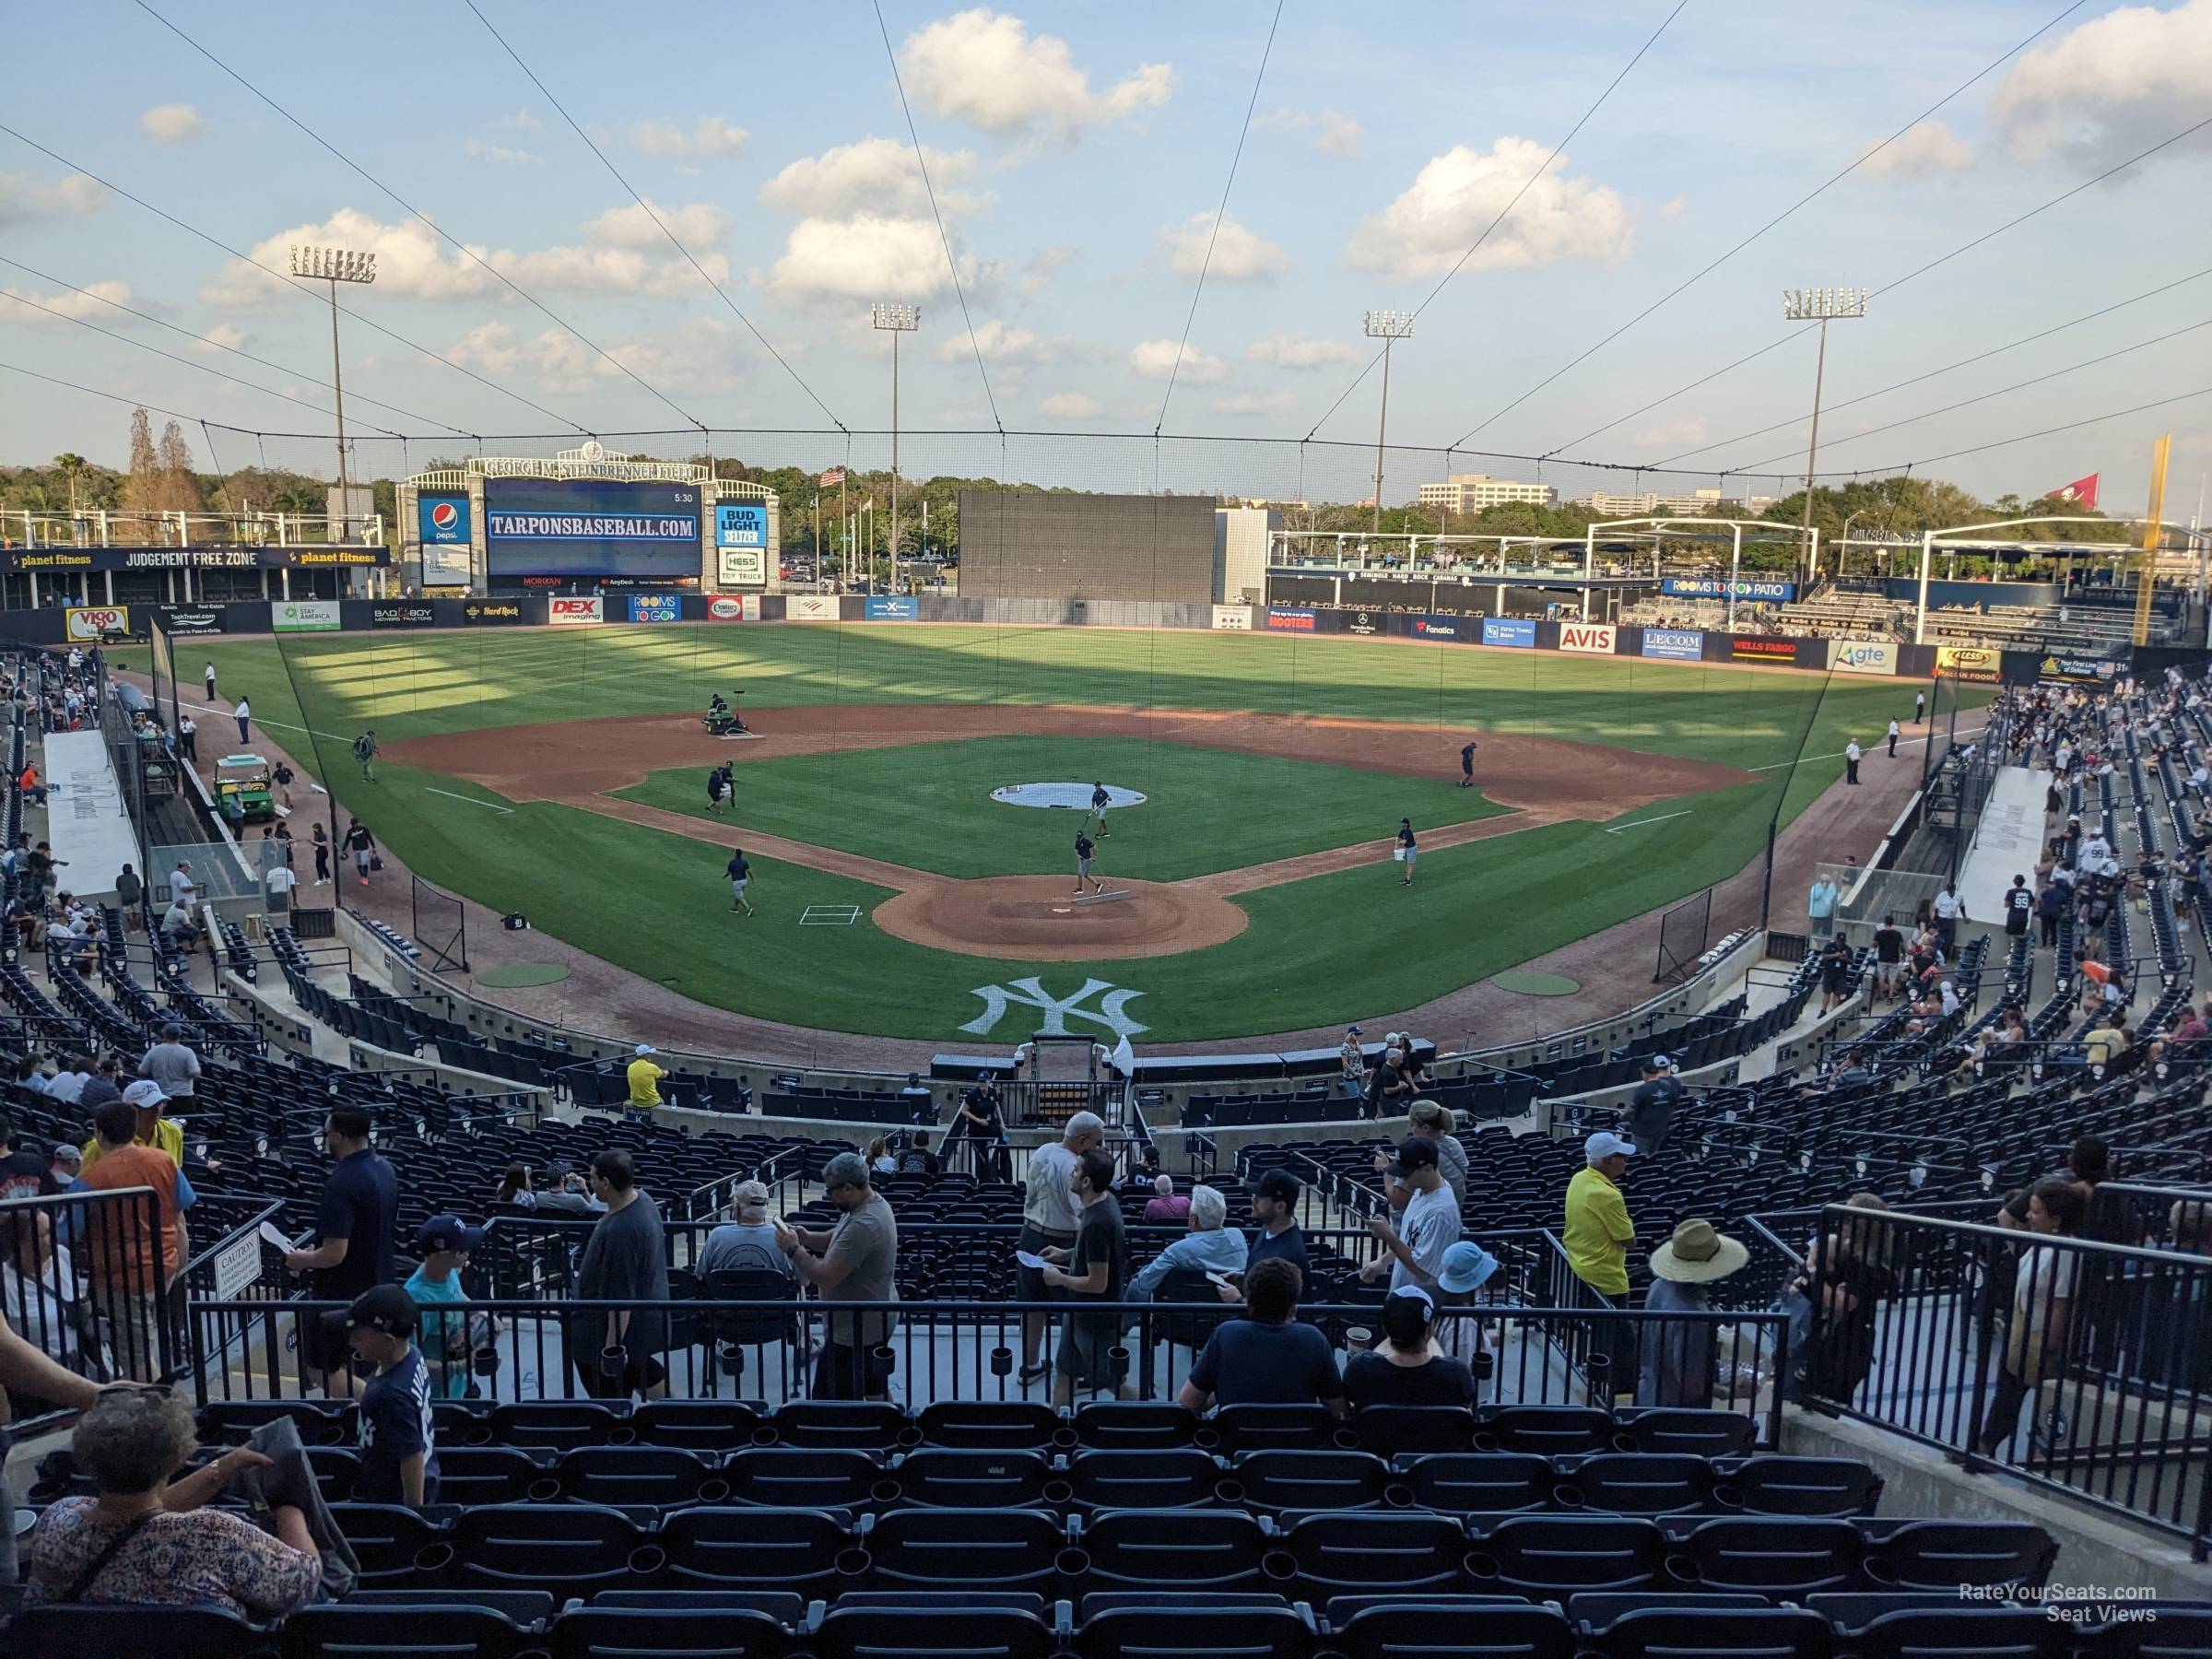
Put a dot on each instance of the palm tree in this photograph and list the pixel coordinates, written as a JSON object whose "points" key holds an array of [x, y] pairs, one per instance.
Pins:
{"points": [[72, 467]]}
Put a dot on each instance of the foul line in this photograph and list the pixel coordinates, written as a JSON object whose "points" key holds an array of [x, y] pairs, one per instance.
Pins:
{"points": [[1863, 754], [472, 800], [1616, 829]]}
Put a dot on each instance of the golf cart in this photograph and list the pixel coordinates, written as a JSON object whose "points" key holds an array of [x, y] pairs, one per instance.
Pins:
{"points": [[246, 779]]}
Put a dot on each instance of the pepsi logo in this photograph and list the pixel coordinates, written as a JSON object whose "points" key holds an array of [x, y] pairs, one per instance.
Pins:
{"points": [[445, 516]]}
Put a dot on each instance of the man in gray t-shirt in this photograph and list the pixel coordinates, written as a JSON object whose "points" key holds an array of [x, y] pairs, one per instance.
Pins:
{"points": [[745, 1242], [172, 1064], [626, 1259], [856, 1261]]}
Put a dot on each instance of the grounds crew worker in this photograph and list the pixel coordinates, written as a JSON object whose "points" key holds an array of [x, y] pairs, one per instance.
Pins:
{"points": [[364, 750]]}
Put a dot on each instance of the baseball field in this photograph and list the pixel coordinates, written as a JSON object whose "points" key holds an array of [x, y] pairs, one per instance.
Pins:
{"points": [[561, 772]]}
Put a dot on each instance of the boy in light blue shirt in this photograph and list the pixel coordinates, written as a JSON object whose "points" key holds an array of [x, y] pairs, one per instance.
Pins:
{"points": [[443, 1242]]}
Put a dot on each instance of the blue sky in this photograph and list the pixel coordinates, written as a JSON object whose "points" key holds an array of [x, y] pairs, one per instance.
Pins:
{"points": [[1078, 154]]}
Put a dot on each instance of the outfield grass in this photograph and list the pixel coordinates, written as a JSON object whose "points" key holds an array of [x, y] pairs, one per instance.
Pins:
{"points": [[929, 807], [1333, 947]]}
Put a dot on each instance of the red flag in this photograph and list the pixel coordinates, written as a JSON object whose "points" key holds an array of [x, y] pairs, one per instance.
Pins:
{"points": [[2082, 492], [836, 475]]}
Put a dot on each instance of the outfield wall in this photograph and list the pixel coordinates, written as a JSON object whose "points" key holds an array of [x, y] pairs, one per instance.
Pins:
{"points": [[1869, 658]]}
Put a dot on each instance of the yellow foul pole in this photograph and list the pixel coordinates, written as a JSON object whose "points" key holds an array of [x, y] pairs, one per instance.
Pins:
{"points": [[2153, 530]]}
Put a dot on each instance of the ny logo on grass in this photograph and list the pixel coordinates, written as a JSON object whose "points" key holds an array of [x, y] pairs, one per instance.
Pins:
{"points": [[1057, 1010]]}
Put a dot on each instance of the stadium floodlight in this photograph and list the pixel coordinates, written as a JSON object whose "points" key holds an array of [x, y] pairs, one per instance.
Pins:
{"points": [[1385, 326], [334, 265], [896, 320], [1821, 305]]}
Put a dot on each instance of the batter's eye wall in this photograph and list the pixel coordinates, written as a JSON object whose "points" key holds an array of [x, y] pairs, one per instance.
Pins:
{"points": [[1030, 544]]}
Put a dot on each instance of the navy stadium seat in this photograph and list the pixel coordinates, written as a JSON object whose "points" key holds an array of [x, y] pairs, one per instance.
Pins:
{"points": [[72, 1633], [1206, 1631], [1389, 1430], [1460, 1627], [1142, 1479], [474, 1476], [709, 1425], [1305, 1481], [1718, 1634], [995, 1549], [1934, 1555], [1672, 1429], [1548, 1430], [646, 1477], [1009, 1425], [559, 1424], [393, 1544], [603, 1632], [1128, 1425], [1639, 1483], [790, 1477], [1775, 1555], [404, 1630], [810, 1551], [568, 1548], [960, 1631], [856, 1425], [1343, 1555], [1479, 1482], [1184, 1549], [1798, 1486], [1547, 1556], [948, 1477], [1251, 1427]]}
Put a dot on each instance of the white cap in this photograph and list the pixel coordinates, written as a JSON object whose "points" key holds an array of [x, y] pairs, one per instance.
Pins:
{"points": [[1605, 1143], [1661, 1063], [647, 1047], [146, 1094]]}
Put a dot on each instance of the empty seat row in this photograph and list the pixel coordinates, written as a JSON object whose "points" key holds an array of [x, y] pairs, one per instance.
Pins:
{"points": [[1018, 1425], [961, 1625], [1276, 1481], [579, 1548]]}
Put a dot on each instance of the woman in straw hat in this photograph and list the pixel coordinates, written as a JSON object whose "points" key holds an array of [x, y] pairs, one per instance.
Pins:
{"points": [[1679, 1355]]}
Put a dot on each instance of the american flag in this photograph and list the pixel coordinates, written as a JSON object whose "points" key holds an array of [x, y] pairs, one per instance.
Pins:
{"points": [[833, 477]]}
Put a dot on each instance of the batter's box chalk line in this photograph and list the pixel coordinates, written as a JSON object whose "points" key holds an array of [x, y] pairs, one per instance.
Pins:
{"points": [[830, 915]]}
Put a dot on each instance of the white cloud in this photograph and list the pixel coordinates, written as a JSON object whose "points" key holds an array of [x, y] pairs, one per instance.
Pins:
{"points": [[173, 123], [1240, 254], [998, 342], [1155, 360], [1337, 135], [1424, 232], [1252, 403], [1929, 148], [1666, 436], [1340, 135], [85, 306], [711, 138], [413, 262], [24, 197], [488, 346], [1672, 208], [1069, 405], [236, 338], [1037, 270], [875, 175], [2110, 85], [521, 121], [866, 257], [1289, 351], [696, 225], [504, 154], [986, 67]]}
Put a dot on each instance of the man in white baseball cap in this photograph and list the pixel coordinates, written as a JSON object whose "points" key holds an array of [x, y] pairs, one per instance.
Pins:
{"points": [[1597, 1238], [645, 1080]]}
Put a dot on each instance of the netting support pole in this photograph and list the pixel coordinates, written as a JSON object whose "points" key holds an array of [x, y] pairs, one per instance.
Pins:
{"points": [[1766, 897]]}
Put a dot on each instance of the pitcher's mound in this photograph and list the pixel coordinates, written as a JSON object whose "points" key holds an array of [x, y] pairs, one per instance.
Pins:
{"points": [[1038, 919]]}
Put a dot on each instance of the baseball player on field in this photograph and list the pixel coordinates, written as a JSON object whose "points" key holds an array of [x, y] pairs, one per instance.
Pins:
{"points": [[1466, 765], [1085, 847], [1100, 801]]}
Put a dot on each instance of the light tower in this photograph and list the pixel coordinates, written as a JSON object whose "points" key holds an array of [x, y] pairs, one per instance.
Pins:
{"points": [[896, 320], [334, 265], [1821, 305], [1385, 326]]}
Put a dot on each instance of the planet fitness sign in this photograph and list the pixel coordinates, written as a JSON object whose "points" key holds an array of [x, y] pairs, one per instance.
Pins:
{"points": [[1676, 644]]}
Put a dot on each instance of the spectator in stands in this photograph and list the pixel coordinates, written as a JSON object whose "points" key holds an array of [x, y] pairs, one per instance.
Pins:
{"points": [[398, 1445], [320, 841], [1847, 1276], [179, 931], [1409, 1061], [39, 1289], [1949, 911], [855, 1262], [2110, 1040], [1835, 973], [1408, 1366], [356, 1216], [152, 1538], [644, 1075], [1275, 1195], [745, 1242], [617, 1352], [1888, 956], [69, 1166], [173, 1065], [981, 1122], [1389, 1091], [1820, 905], [1269, 1357], [443, 1244], [1094, 1268], [1051, 1213], [101, 1088], [1596, 1237], [515, 1188], [2041, 1308], [1650, 1114], [182, 889], [1210, 1247], [916, 1158], [1432, 1121], [134, 1258], [69, 1078], [1680, 1354], [1166, 1203], [25, 1172], [188, 734], [2051, 906], [1414, 1248], [878, 1155], [1351, 1061], [574, 1194]]}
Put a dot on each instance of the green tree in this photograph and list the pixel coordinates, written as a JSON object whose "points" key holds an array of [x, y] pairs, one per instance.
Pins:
{"points": [[71, 468]]}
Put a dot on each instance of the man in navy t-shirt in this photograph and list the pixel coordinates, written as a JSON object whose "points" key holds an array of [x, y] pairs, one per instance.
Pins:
{"points": [[1268, 1359], [360, 1197], [1275, 1194], [398, 1446]]}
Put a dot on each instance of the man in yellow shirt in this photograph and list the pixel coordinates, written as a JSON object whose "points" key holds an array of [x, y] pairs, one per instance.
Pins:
{"points": [[2106, 1044], [155, 1130], [1597, 1239], [644, 1080]]}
